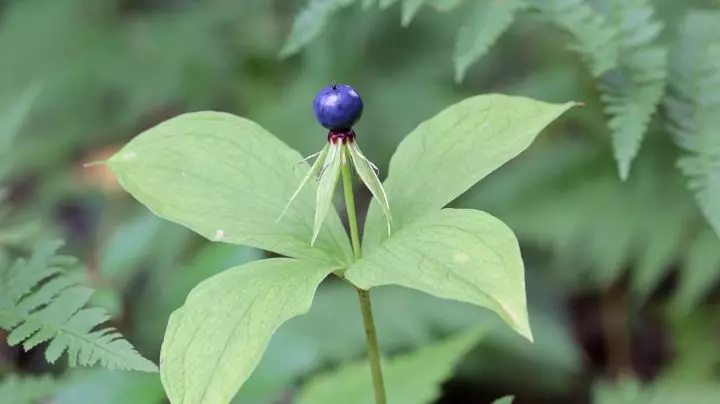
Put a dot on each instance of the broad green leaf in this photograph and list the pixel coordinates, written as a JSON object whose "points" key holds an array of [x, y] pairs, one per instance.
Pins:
{"points": [[385, 4], [409, 379], [215, 340], [368, 176], [504, 400], [330, 174], [459, 254], [309, 23], [488, 21], [447, 154], [228, 179]]}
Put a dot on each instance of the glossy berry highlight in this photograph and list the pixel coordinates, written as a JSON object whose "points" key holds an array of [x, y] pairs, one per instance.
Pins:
{"points": [[338, 107]]}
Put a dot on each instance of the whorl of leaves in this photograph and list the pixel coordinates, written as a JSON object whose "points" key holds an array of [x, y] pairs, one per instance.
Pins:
{"points": [[620, 41]]}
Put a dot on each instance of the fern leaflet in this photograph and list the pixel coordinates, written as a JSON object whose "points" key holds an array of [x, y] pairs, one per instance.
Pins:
{"points": [[596, 40], [39, 303], [633, 91], [694, 109], [309, 23], [385, 4], [409, 9], [487, 22], [368, 4]]}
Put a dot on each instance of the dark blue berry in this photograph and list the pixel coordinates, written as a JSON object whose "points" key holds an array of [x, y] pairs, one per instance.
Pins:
{"points": [[338, 107]]}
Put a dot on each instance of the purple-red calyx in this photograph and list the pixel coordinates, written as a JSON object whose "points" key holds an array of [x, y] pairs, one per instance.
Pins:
{"points": [[343, 137]]}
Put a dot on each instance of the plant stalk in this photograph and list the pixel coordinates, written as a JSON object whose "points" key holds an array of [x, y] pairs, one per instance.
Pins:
{"points": [[364, 295]]}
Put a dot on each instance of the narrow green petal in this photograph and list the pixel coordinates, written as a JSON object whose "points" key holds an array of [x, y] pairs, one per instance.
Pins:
{"points": [[330, 175], [366, 171], [314, 169]]}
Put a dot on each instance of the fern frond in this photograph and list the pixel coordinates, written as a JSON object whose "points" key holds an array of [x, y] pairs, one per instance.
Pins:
{"points": [[385, 4], [309, 23], [445, 6], [596, 40], [411, 7], [487, 22], [27, 389], [633, 91], [39, 303], [568, 200], [694, 108]]}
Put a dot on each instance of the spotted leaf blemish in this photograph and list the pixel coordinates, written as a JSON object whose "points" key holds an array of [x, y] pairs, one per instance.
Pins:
{"points": [[461, 257]]}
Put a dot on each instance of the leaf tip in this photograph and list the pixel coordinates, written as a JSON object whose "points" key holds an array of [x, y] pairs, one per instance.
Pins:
{"points": [[151, 367], [624, 169], [122, 156], [316, 232], [95, 163], [521, 325], [285, 53], [459, 75]]}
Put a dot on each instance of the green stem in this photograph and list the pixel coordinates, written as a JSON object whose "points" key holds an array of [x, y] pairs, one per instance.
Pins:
{"points": [[350, 205], [365, 306], [372, 346]]}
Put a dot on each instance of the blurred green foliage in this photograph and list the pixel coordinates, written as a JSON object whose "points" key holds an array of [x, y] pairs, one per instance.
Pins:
{"points": [[622, 275]]}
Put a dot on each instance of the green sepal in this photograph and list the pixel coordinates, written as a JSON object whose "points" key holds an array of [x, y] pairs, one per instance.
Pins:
{"points": [[329, 177], [314, 169], [367, 174]]}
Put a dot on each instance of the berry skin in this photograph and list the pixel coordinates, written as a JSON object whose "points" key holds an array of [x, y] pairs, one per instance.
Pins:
{"points": [[338, 107]]}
